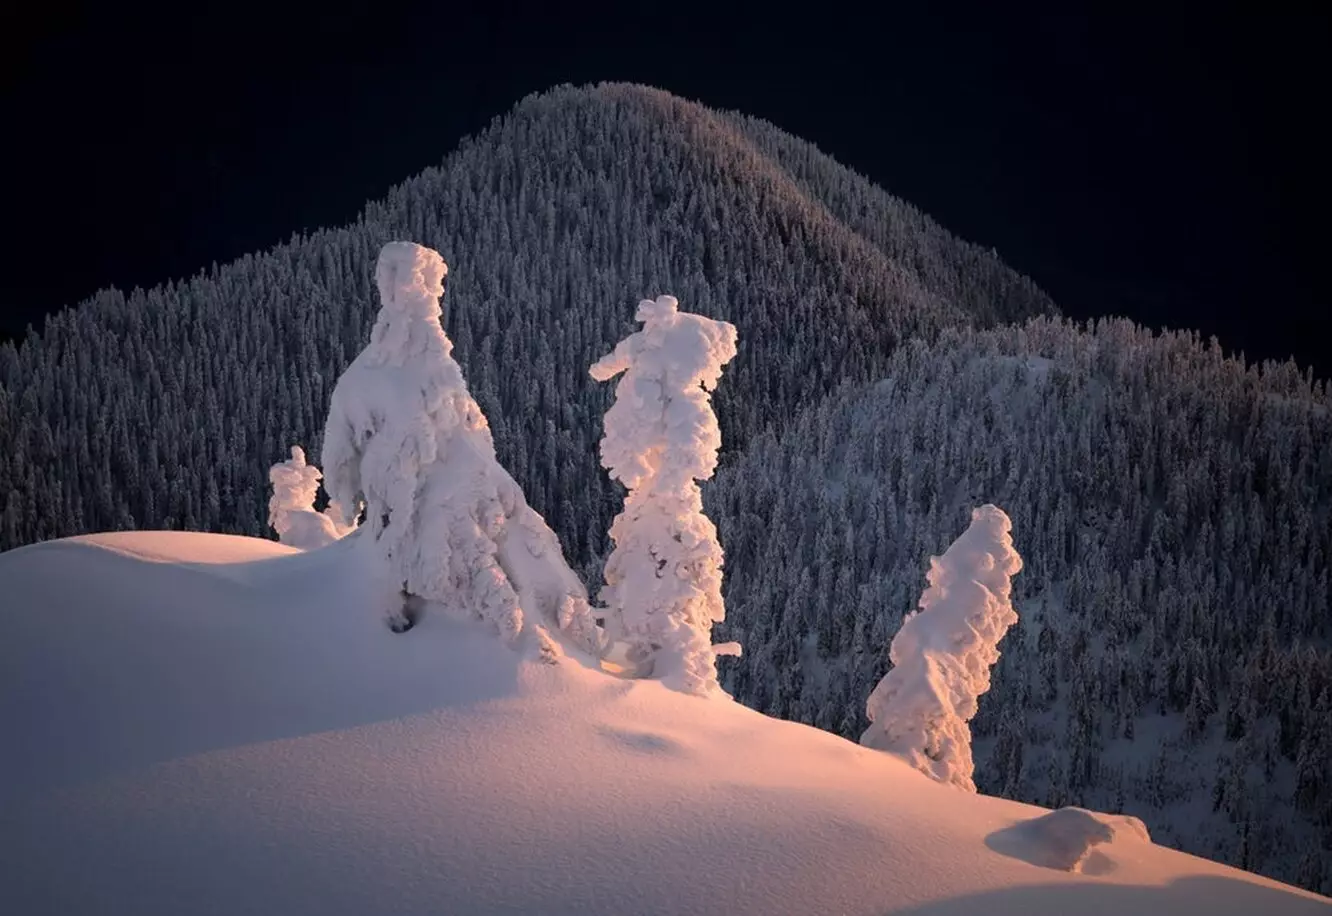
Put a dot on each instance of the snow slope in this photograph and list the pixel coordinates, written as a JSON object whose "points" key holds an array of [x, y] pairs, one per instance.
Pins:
{"points": [[208, 724]]}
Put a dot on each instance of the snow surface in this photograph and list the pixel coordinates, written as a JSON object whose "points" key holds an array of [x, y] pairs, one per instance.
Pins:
{"points": [[1067, 838], [211, 724], [943, 653]]}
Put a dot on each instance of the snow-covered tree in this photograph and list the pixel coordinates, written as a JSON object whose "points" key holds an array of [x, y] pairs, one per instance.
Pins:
{"points": [[943, 653], [291, 509], [663, 578], [406, 441]]}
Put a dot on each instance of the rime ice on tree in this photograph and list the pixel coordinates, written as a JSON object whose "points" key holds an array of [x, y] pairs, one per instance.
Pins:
{"points": [[291, 508], [663, 579], [943, 653], [405, 440]]}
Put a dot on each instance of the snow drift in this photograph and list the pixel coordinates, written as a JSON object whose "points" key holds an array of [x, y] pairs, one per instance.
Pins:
{"points": [[1067, 838], [206, 724]]}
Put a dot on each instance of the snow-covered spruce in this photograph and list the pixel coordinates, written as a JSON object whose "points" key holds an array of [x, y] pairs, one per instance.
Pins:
{"points": [[663, 578], [291, 509], [943, 653], [406, 440]]}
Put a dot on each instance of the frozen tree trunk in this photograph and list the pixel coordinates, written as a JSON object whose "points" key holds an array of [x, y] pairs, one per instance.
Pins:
{"points": [[943, 653], [663, 577]]}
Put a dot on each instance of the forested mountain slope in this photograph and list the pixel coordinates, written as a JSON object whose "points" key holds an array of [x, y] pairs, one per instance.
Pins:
{"points": [[1174, 512], [1172, 506], [165, 408]]}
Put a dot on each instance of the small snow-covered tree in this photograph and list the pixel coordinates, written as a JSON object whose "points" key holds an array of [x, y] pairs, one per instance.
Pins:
{"points": [[405, 440], [291, 509], [663, 577], [943, 653]]}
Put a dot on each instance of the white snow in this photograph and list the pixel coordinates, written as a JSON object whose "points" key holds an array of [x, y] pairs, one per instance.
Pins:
{"points": [[663, 577], [943, 653], [291, 509], [1067, 838], [405, 440], [205, 724]]}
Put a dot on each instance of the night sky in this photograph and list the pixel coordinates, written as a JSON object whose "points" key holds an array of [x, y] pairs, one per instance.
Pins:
{"points": [[1168, 170]]}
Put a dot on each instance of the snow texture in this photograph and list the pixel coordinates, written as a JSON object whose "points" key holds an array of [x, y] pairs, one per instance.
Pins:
{"points": [[943, 653], [405, 439], [663, 577], [291, 509], [1066, 838], [213, 725]]}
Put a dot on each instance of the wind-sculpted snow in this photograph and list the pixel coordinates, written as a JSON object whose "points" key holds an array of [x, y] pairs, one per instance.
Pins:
{"points": [[406, 443], [221, 729], [943, 653], [663, 579], [1067, 839]]}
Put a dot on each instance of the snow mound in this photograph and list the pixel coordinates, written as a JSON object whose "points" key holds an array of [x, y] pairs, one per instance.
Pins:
{"points": [[202, 724], [1066, 839]]}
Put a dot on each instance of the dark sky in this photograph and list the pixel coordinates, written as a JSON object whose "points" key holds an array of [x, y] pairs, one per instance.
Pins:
{"points": [[1170, 169]]}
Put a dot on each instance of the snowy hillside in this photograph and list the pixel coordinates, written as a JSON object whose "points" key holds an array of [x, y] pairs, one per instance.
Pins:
{"points": [[1173, 505], [210, 724], [1174, 512]]}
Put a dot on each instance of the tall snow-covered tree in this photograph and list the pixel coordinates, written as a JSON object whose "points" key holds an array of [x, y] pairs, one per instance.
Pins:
{"points": [[663, 578], [943, 653], [406, 441]]}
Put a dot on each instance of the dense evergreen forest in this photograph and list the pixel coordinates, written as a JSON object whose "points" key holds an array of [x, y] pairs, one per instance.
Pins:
{"points": [[1171, 504], [1174, 512]]}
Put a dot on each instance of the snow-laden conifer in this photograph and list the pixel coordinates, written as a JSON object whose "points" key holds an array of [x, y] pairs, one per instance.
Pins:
{"points": [[406, 440], [291, 509], [663, 578], [943, 653]]}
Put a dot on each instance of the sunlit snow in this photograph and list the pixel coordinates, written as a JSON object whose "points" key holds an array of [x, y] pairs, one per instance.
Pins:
{"points": [[208, 724]]}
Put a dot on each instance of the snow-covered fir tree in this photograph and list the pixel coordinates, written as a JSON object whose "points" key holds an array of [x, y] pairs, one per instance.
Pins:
{"points": [[664, 576], [406, 444], [291, 510], [943, 653]]}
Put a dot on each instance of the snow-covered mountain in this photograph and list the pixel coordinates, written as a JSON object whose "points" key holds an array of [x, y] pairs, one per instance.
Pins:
{"points": [[1172, 505], [213, 724], [166, 408]]}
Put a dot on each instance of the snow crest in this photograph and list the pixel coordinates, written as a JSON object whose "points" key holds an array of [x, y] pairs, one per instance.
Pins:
{"points": [[943, 653]]}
